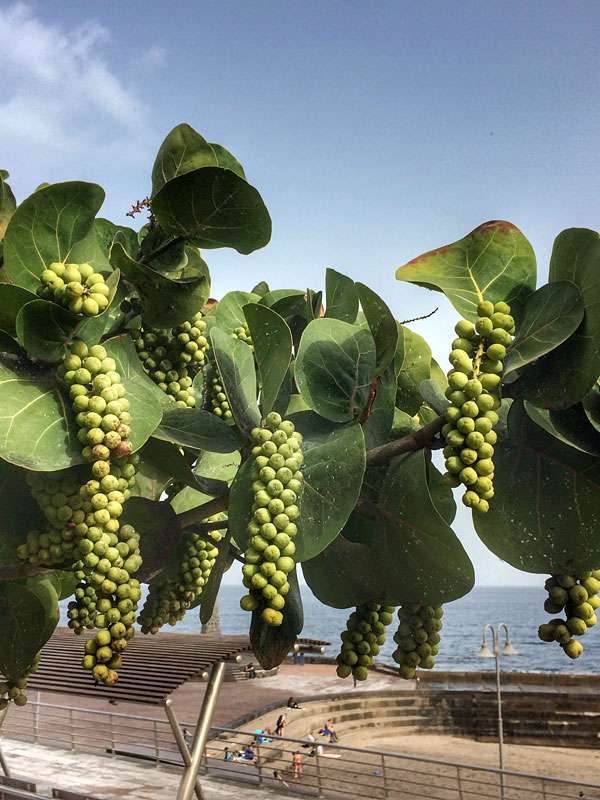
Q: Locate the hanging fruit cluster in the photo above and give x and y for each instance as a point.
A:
(577, 596)
(277, 481)
(76, 287)
(474, 393)
(364, 635)
(417, 638)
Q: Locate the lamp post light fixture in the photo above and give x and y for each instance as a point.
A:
(485, 652)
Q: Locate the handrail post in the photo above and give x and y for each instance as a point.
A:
(181, 743)
(202, 728)
(156, 747)
(36, 718)
(459, 783)
(259, 765)
(71, 729)
(113, 744)
(319, 775)
(384, 776)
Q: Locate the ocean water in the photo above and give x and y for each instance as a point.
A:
(521, 608)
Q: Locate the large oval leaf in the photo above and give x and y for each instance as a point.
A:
(341, 296)
(494, 262)
(213, 207)
(167, 302)
(550, 316)
(145, 397)
(20, 513)
(193, 427)
(24, 625)
(413, 366)
(334, 465)
(159, 530)
(378, 424)
(272, 341)
(382, 325)
(47, 226)
(564, 376)
(416, 554)
(37, 427)
(335, 367)
(230, 311)
(8, 205)
(236, 366)
(343, 575)
(544, 515)
(44, 328)
(12, 299)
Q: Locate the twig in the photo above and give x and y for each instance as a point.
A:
(205, 527)
(416, 319)
(408, 444)
(138, 207)
(200, 513)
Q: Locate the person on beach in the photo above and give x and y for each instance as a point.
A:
(250, 752)
(249, 668)
(227, 755)
(310, 740)
(297, 761)
(280, 724)
(291, 703)
(333, 737)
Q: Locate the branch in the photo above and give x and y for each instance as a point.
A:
(200, 513)
(408, 444)
(23, 570)
(205, 527)
(416, 319)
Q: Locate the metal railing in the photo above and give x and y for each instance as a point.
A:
(324, 770)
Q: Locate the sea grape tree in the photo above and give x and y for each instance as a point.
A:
(150, 434)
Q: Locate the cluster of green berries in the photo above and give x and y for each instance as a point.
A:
(577, 595)
(277, 481)
(364, 635)
(417, 638)
(57, 495)
(172, 358)
(13, 690)
(474, 393)
(107, 553)
(76, 287)
(169, 600)
(243, 334)
(218, 399)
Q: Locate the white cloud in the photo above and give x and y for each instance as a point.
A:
(60, 95)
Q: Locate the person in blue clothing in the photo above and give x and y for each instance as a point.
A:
(227, 755)
(250, 752)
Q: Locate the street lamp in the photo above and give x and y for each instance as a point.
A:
(485, 652)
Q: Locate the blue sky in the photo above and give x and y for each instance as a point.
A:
(374, 130)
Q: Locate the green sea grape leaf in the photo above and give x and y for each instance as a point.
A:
(159, 257)
(412, 362)
(166, 455)
(47, 226)
(167, 302)
(67, 583)
(43, 329)
(12, 299)
(591, 404)
(343, 575)
(494, 262)
(37, 427)
(184, 150)
(404, 424)
(108, 234)
(565, 375)
(382, 325)
(335, 368)
(142, 393)
(378, 424)
(241, 498)
(230, 311)
(552, 527)
(334, 465)
(551, 315)
(213, 207)
(433, 395)
(8, 205)
(47, 588)
(572, 426)
(10, 345)
(341, 296)
(438, 375)
(261, 289)
(24, 624)
(272, 341)
(210, 590)
(416, 554)
(193, 427)
(20, 513)
(236, 366)
(270, 644)
(159, 530)
(441, 495)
